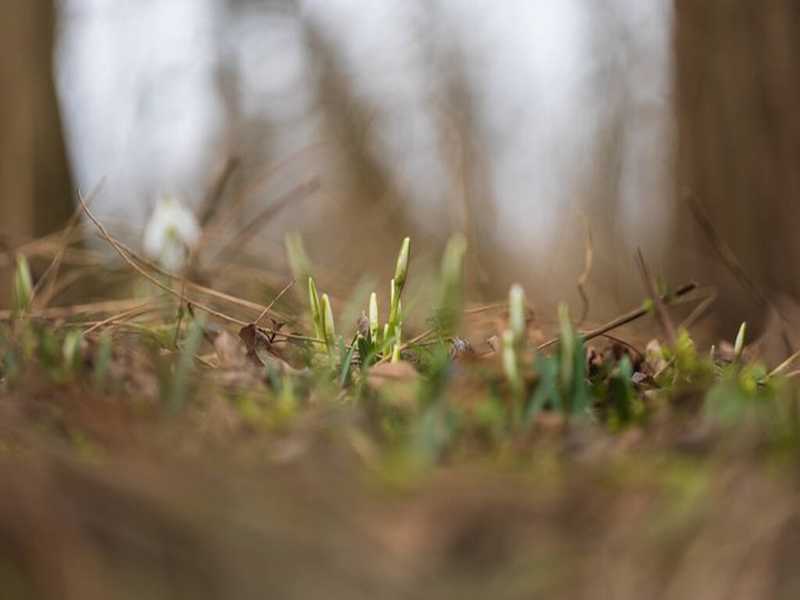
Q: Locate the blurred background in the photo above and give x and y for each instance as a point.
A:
(517, 123)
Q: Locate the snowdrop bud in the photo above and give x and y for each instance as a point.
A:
(374, 324)
(394, 308)
(516, 310)
(23, 285)
(568, 344)
(328, 328)
(171, 233)
(738, 347)
(401, 270)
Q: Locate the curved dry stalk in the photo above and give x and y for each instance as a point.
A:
(700, 309)
(485, 308)
(64, 312)
(240, 302)
(135, 311)
(132, 263)
(625, 319)
(784, 365)
(587, 271)
(732, 263)
(131, 260)
(661, 312)
(274, 300)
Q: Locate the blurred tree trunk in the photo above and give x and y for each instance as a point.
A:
(35, 185)
(738, 101)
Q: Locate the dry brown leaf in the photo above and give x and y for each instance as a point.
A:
(262, 351)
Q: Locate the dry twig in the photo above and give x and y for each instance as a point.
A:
(625, 319)
(661, 312)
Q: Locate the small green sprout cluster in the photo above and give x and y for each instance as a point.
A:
(419, 417)
(375, 340)
(513, 342)
(560, 381)
(742, 388)
(322, 317)
(320, 307)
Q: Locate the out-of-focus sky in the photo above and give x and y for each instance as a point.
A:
(568, 95)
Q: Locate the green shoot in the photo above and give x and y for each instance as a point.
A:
(71, 351)
(394, 307)
(567, 345)
(512, 340)
(516, 313)
(102, 361)
(401, 270)
(374, 322)
(23, 286)
(182, 383)
(316, 309)
(511, 370)
(575, 392)
(451, 300)
(738, 347)
(398, 340)
(299, 262)
(327, 327)
(347, 361)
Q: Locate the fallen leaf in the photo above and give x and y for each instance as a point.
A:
(261, 351)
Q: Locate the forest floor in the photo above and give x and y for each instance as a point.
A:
(182, 441)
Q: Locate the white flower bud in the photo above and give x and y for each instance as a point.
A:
(516, 312)
(170, 234)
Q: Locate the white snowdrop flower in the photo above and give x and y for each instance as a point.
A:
(170, 234)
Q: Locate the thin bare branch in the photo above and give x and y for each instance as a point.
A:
(625, 319)
(661, 312)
